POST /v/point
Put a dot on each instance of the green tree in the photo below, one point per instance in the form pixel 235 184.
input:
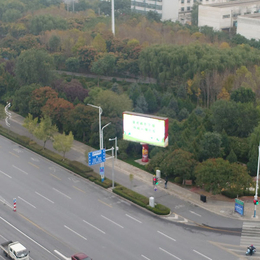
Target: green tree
pixel 54 43
pixel 194 14
pixel 243 95
pixel 232 156
pixel 153 16
pixel 212 175
pixel 216 175
pixel 34 66
pixel 11 15
pixel 178 163
pixel 46 22
pixel 80 120
pixel 151 100
pixel 2 111
pixel 254 142
pixel 237 119
pixel 113 104
pixel 72 64
pixel 30 123
pixel 99 43
pixel 22 98
pixel 141 104
pixel 104 65
pixel 210 146
pixel 63 143
pixel 45 130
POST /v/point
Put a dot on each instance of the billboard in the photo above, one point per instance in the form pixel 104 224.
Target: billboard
pixel 146 129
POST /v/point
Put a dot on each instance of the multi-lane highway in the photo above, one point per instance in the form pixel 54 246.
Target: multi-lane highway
pixel 59 214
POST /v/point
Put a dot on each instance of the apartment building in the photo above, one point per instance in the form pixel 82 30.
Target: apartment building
pixel 221 16
pixel 174 10
pixel 252 21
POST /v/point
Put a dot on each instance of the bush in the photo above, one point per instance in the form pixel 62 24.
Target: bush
pixel 178 180
pixel 140 200
pixel 80 166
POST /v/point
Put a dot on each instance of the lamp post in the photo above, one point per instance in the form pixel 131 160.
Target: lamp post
pixel 113 16
pixel 113 167
pixel 100 134
pixel 102 137
pixel 116 148
pixel 257 176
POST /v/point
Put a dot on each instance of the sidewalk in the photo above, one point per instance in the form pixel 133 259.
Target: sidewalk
pixel 143 180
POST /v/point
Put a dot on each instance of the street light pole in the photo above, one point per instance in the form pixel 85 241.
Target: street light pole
pixel 116 148
pixel 99 118
pixel 114 151
pixel 257 176
pixel 102 137
pixel 113 16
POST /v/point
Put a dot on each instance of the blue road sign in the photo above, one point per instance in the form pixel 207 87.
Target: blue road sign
pixel 96 157
pixel 102 170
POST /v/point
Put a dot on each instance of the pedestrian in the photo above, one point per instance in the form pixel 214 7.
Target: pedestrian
pixel 166 180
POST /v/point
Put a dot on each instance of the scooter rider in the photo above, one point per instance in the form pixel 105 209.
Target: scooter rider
pixel 251 248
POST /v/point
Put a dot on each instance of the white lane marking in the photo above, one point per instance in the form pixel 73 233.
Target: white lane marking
pixel 6 175
pixel 195 213
pixel 20 169
pixel 133 218
pixel 61 255
pixel 29 238
pixel 145 257
pixel 75 232
pixel 201 254
pixel 166 235
pixel 169 253
pixel 27 202
pixel 94 227
pixel 111 221
pixel 44 197
pixel 62 193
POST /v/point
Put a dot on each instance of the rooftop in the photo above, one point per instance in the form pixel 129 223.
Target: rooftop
pixel 234 3
pixel 253 16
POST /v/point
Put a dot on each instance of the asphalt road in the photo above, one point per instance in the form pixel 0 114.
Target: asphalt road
pixel 59 214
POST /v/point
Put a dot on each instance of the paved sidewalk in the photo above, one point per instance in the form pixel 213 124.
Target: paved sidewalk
pixel 143 179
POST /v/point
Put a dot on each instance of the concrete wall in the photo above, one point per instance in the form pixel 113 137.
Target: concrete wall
pixel 249 27
pixel 209 16
pixel 213 16
pixel 170 10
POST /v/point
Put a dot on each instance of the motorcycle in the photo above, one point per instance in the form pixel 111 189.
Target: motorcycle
pixel 250 251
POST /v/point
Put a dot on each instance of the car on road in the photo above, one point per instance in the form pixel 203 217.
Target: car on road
pixel 80 256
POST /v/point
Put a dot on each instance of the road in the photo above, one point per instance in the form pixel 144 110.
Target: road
pixel 59 214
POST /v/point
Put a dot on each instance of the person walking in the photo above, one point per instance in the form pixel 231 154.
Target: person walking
pixel 166 180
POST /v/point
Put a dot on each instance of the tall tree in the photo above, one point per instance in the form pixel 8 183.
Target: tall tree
pixel 63 143
pixel 56 109
pixel 30 123
pixel 210 146
pixel 45 130
pixel 34 66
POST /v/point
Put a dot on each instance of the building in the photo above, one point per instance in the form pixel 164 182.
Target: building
pixel 174 10
pixel 221 16
pixel 167 9
pixel 251 21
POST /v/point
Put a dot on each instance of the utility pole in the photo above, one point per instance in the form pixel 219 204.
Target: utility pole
pixel 257 176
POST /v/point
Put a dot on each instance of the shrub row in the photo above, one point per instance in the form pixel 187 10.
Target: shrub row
pixel 84 171
pixel 140 200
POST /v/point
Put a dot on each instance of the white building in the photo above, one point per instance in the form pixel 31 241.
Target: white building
pixel 222 16
pixel 251 21
pixel 169 9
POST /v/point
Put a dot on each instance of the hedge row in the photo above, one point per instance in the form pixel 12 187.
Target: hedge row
pixel 84 171
pixel 140 200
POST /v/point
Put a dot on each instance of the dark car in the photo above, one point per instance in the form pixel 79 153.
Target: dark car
pixel 80 256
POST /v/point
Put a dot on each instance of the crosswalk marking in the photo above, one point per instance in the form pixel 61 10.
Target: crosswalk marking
pixel 250 234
